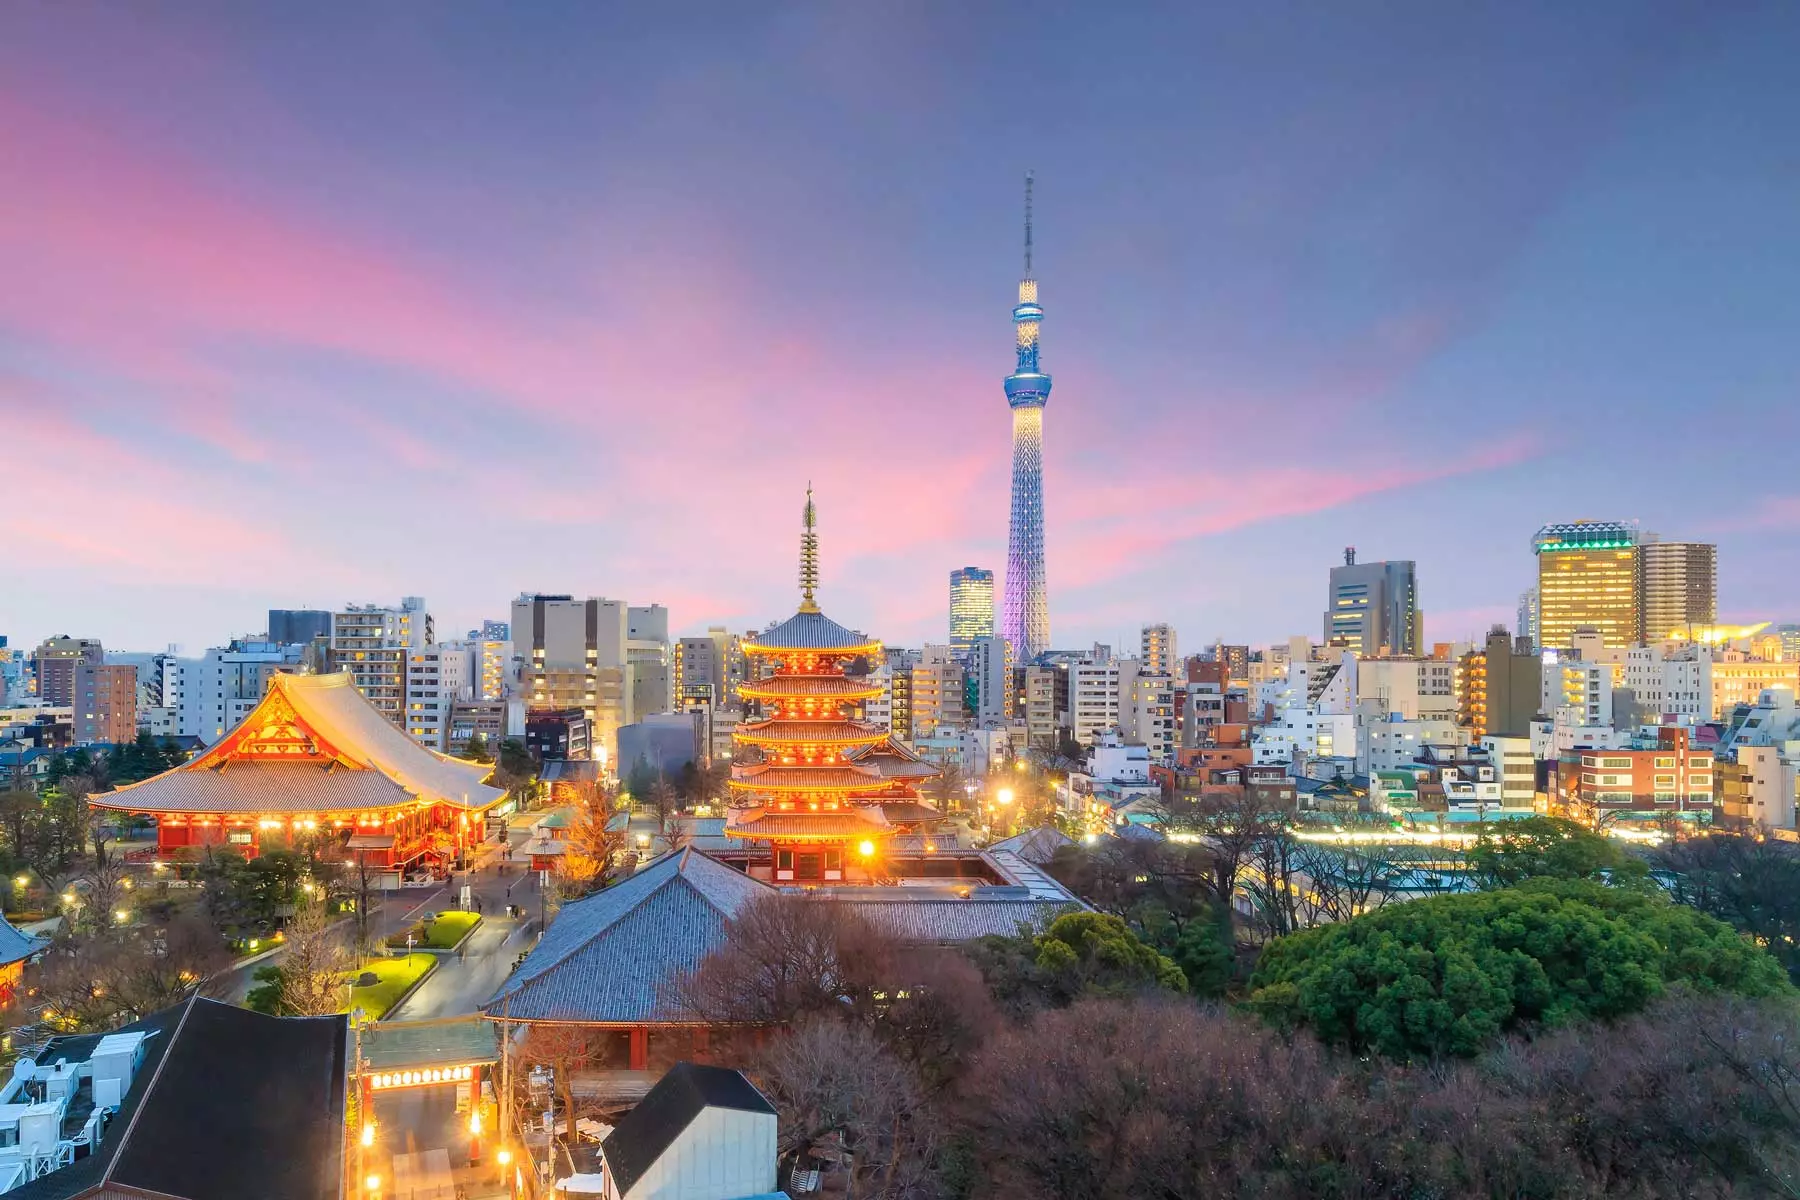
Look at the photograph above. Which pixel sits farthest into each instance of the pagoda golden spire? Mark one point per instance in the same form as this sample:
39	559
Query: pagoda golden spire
809	555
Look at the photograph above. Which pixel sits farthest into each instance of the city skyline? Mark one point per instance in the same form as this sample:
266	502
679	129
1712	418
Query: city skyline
255	312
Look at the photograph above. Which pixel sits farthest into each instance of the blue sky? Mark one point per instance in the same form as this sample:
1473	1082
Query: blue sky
316	304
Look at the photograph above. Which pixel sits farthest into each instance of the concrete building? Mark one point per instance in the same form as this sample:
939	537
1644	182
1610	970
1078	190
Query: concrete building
296	626
992	676
936	699
663	742
572	654
649	660
1093	695
1147	709
1588	576
1412	688
1758	787
1516	768
1526	628
1394	742
971	607
1158	651
437	677
217	691
898	698
1664	775
1583	688
1045	704
1678	588
1501	688
373	643
1665	685
53	665
1738	678
105	703
710	666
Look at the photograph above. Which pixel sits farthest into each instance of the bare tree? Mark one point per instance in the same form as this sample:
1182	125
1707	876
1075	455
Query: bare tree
846	1103
562	1048
314	982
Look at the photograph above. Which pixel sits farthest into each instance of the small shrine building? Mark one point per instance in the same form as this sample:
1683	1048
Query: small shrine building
315	756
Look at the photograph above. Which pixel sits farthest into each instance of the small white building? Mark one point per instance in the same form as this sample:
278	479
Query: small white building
702	1133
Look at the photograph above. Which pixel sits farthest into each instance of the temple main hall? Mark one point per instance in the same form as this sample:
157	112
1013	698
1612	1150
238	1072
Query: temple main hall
315	757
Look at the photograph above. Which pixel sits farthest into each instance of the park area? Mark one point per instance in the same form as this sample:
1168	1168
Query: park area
440	931
381	982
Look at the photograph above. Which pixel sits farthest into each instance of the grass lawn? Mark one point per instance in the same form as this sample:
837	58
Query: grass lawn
448	928
392	977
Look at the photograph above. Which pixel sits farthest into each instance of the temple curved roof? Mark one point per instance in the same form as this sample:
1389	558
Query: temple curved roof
773	823
782	731
772	777
799	687
809	631
892	760
313	743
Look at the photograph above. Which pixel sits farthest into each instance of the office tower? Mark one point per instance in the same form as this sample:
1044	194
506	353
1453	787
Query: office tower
1501	687
1373	607
1025	618
971	607
289	626
992	678
1587	576
214	693
1678	587
54	663
372	642
1527	626
573	655
648	660
1158	650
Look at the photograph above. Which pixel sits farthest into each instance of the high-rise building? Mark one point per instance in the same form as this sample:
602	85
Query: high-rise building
1373	607
436	678
372	642
1678	587
1158	650
1527	624
1093	695
1501	687
971	607
105	703
1025	615
215	693
54	663
574	654
648	660
291	626
1587	576
992	679
936	701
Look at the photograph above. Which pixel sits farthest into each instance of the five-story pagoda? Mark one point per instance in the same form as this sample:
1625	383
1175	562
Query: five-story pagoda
824	789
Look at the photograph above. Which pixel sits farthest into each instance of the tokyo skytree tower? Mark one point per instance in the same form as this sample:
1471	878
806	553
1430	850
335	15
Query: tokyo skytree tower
1025	612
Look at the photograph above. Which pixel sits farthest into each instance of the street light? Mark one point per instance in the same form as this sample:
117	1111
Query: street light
1003	797
368	1133
504	1157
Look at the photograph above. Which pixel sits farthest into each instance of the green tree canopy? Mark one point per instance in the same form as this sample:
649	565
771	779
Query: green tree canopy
1081	954
475	749
1549	848
1444	976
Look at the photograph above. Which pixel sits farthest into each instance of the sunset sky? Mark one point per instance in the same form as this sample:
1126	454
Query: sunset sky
304	304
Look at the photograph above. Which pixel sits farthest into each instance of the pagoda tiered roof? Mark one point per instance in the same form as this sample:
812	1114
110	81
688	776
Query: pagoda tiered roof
801	824
892	759
801	687
783	731
775	777
810	630
313	744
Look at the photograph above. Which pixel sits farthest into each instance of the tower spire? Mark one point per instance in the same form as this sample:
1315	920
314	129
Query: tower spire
1028	176
809	554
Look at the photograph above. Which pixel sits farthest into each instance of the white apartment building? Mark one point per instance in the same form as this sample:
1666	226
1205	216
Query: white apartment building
1394	742
215	692
1410	688
1516	769
1301	731
937	693
1664	685
649	660
1203	709
436	678
1147	709
1158	652
372	642
1093	695
572	654
1584	688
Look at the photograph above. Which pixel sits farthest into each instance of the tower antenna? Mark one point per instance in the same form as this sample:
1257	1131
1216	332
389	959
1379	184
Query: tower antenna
1028	176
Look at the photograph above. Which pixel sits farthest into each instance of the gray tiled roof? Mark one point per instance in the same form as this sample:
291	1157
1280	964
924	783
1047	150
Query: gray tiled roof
258	787
811	631
957	920
16	946
604	959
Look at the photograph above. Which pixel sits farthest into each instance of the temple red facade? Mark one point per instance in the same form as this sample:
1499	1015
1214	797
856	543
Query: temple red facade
315	757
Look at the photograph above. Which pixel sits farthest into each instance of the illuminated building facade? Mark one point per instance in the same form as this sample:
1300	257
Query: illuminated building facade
823	790
1587	576
1678	588
1025	613
1373	607
1500	689
374	644
971	607
315	756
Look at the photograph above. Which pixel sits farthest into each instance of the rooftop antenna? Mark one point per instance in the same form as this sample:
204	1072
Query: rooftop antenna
1028	176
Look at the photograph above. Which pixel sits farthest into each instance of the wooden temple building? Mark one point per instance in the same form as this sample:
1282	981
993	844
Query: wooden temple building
315	757
821	789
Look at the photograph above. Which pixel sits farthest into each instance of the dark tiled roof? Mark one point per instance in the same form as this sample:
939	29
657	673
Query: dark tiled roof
809	631
648	1130
16	946
1037	845
228	1103
604	958
958	920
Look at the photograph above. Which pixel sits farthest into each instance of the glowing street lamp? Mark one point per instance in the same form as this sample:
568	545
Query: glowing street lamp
866	849
1003	797
368	1133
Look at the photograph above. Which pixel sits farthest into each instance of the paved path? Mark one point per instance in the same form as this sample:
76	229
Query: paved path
458	985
